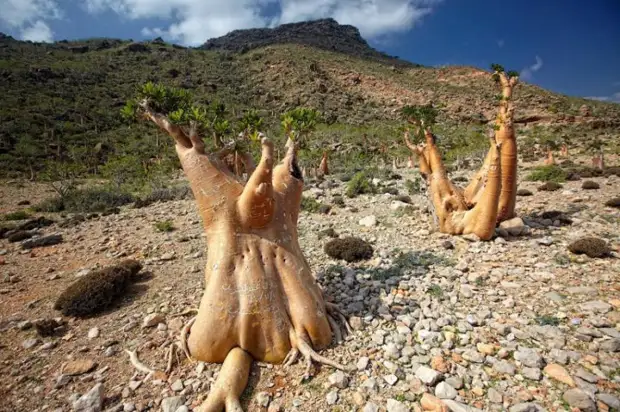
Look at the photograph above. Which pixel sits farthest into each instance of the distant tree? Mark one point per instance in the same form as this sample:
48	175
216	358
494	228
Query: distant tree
28	149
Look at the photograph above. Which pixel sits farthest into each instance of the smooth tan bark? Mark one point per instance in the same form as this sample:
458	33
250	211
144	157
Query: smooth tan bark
261	301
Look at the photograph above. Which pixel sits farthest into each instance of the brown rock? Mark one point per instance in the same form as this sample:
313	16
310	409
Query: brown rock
79	367
432	403
486	348
439	364
557	372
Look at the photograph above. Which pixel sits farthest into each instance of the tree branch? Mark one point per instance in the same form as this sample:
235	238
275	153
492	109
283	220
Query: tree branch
164	123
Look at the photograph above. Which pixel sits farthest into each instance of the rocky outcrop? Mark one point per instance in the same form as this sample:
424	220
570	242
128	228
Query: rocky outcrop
324	34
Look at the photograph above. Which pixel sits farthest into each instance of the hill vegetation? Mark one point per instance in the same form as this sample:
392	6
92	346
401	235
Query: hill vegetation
62	101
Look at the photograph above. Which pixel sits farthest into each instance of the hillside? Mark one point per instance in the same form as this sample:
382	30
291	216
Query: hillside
62	100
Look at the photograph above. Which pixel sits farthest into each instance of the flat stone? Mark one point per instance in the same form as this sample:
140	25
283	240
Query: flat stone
390	379
612	401
172	403
338	380
577	398
92	401
371	407
262	399
557	372
494	396
534	374
505	367
152	320
362	363
368	221
30	343
177	386
427	375
610	345
527	407
93	333
332	398
443	390
529	357
79	367
396	406
432	403
582	290
596	306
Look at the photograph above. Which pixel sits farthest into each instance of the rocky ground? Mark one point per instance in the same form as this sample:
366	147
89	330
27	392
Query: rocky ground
440	322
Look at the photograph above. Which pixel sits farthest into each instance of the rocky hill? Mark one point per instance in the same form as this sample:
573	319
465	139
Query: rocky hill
62	100
324	34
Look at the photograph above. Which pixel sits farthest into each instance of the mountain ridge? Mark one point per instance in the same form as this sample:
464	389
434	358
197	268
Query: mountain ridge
68	94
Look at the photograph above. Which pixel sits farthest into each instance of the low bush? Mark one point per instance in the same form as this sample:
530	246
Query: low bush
551	173
550	187
88	200
351	249
524	192
359	184
164	195
310	204
590	246
164	226
95	291
590	185
18	215
614	202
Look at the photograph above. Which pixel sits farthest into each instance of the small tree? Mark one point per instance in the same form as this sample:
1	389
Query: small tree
297	124
258	285
28	149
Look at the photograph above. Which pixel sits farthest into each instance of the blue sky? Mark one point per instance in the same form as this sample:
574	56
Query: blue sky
568	46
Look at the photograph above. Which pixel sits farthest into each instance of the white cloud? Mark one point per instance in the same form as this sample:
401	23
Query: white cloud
500	43
28	17
38	32
195	21
614	98
528	72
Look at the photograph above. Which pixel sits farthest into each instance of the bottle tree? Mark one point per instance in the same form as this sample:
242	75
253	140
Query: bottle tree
506	137
261	301
453	214
297	124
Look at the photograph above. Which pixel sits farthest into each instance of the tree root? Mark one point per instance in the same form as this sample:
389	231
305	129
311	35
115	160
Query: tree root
133	358
335	312
230	383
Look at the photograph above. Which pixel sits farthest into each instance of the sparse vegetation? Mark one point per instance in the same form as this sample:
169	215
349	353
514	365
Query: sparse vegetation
89	200
591	246
590	185
164	226
524	192
95	291
359	184
549	187
350	249
310	204
614	202
547	320
547	173
18	215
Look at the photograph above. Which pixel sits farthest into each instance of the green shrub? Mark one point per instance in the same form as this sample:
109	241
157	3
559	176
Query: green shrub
338	201
90	200
552	173
310	204
164	195
164	226
18	215
359	184
414	186
524	192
